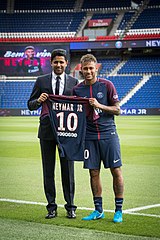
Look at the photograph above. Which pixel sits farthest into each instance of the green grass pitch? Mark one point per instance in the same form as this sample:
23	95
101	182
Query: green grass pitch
21	179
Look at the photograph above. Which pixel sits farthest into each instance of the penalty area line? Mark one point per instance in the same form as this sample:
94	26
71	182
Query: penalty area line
131	211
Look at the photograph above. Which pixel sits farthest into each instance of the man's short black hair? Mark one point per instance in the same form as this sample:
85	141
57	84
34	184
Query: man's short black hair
58	52
29	47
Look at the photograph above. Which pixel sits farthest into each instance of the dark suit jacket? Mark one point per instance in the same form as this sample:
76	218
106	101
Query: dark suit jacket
43	84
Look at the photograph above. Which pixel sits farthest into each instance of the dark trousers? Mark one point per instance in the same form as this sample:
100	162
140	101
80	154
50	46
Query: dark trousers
48	151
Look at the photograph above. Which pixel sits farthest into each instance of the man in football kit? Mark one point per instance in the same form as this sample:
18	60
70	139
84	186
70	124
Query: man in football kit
30	65
102	142
59	83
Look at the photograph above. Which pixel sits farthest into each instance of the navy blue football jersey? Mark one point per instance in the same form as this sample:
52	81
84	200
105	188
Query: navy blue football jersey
68	120
106	94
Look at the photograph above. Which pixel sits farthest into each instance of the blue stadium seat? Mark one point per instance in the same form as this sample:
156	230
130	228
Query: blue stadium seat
126	18
41	22
107	65
124	84
141	65
43	4
90	4
142	20
14	94
147	96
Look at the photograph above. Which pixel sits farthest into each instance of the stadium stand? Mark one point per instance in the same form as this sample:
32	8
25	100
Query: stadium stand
103	4
14	93
108	65
3	6
126	18
124	84
41	22
154	3
141	65
43	5
53	21
113	16
142	21
148	96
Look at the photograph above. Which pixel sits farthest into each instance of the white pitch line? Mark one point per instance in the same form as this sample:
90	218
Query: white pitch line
127	211
142	214
24	202
141	208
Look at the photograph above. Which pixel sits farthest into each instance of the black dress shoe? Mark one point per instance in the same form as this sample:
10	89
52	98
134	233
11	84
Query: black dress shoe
51	214
71	214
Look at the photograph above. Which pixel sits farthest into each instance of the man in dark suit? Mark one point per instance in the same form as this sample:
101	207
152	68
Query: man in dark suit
59	83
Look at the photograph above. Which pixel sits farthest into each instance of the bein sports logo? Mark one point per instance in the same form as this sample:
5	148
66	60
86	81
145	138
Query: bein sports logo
118	44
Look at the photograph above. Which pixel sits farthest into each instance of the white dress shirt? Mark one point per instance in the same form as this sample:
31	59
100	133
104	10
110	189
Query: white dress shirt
61	86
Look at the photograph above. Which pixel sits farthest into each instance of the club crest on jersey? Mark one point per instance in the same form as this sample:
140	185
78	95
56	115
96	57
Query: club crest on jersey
100	95
115	96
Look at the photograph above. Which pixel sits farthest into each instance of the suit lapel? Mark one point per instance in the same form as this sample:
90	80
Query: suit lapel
65	83
50	83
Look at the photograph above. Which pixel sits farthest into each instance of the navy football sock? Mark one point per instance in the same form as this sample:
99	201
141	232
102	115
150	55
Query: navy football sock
98	204
118	204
